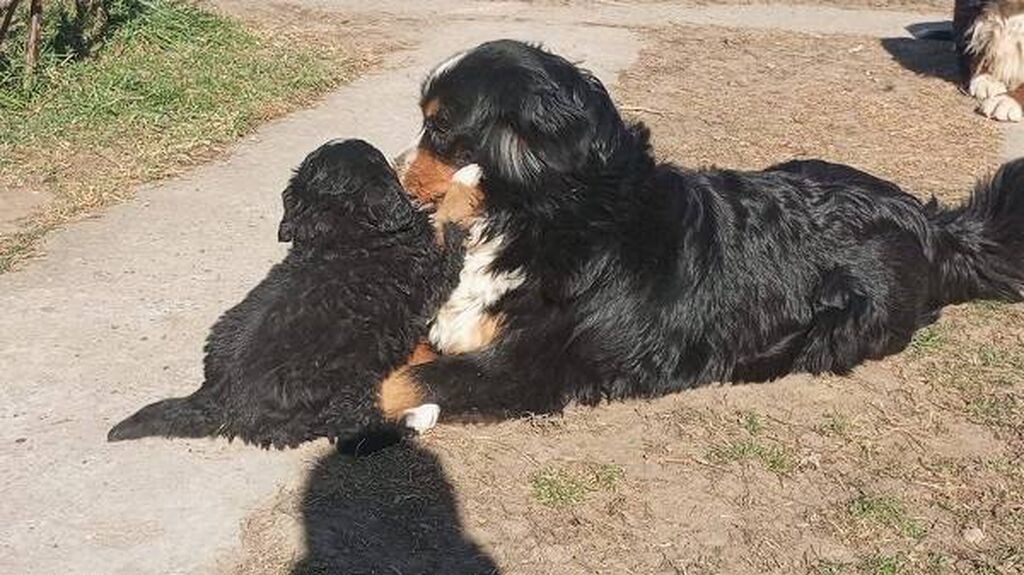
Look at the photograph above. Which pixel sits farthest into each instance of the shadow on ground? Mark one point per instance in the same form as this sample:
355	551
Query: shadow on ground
392	512
926	57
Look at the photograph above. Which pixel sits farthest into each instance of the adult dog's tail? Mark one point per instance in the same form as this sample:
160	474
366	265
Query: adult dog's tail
192	416
980	245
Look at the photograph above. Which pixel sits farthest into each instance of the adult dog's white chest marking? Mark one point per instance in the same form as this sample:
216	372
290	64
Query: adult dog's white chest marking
461	323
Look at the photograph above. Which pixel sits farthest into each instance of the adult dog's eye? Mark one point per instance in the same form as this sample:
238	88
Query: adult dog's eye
438	123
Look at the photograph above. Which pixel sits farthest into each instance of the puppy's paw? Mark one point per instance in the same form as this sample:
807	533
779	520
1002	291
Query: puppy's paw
421	418
1002	107
468	176
461	202
984	86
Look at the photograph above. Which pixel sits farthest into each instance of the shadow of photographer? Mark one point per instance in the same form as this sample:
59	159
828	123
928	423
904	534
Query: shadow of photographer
391	512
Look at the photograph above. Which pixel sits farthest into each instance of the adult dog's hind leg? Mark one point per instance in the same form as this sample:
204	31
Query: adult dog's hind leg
854	322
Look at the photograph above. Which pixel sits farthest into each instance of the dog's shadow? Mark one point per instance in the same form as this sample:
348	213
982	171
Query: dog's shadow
391	512
930	52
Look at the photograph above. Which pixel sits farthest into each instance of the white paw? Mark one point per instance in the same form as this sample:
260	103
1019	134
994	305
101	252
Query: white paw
1001	107
468	176
984	86
421	418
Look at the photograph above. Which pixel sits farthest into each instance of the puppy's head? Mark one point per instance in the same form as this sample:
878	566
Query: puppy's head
525	115
343	186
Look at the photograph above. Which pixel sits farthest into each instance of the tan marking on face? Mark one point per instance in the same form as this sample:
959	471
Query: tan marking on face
431	108
427	177
397	393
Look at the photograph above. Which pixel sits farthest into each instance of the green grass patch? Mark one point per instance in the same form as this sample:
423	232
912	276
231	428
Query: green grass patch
834	425
774	458
751	422
887	512
559	487
1003	410
883	565
163	88
927	339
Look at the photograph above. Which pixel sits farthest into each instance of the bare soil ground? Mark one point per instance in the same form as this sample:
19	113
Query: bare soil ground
926	6
910	465
747	98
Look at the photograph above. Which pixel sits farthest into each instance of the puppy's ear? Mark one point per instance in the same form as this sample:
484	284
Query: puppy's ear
286	229
388	207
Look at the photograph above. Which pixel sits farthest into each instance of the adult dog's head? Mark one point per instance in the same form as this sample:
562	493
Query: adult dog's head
527	117
344	186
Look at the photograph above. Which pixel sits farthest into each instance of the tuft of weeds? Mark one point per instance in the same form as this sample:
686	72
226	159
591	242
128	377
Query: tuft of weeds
997	410
164	85
927	339
751	422
560	487
834	425
883	565
774	458
887	512
827	567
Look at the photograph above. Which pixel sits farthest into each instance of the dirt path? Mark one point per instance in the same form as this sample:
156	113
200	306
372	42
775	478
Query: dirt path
115	313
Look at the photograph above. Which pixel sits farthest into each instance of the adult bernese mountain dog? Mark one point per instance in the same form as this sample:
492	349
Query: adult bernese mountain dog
989	36
601	274
304	354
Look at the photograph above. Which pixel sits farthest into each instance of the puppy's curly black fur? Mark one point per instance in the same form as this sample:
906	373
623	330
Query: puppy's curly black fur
640	279
301	356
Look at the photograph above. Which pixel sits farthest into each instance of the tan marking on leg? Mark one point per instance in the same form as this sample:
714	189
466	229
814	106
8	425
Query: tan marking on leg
397	393
422	354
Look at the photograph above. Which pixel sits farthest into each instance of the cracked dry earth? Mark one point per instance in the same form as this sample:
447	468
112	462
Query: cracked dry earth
910	465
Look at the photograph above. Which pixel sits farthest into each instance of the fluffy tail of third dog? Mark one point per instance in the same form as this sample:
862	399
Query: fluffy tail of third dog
980	245
192	416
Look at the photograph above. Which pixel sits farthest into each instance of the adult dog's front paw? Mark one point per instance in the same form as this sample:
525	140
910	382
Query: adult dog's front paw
984	86
421	418
1002	107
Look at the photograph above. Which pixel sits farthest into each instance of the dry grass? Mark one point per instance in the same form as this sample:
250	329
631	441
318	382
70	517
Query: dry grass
165	93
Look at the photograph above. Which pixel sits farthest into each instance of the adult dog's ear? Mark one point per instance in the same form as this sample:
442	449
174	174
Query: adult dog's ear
388	207
556	129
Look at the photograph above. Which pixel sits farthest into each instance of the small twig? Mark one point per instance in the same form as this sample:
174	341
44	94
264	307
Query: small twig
11	6
644	110
35	32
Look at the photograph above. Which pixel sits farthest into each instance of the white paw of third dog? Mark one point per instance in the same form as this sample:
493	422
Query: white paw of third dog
421	418
984	86
1002	107
469	175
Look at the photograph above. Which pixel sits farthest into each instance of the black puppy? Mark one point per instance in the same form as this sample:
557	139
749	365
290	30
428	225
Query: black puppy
302	356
